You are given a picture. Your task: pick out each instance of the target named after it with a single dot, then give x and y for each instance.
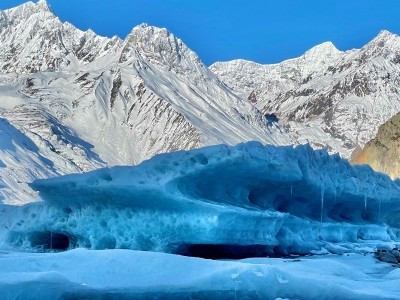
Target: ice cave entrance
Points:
(50, 241)
(223, 251)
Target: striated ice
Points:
(221, 199)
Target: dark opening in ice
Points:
(223, 251)
(50, 241)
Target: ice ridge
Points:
(265, 199)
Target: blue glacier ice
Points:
(244, 200)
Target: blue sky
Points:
(263, 31)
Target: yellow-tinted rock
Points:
(383, 152)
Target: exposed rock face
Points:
(326, 97)
(389, 256)
(383, 152)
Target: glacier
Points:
(215, 202)
(272, 222)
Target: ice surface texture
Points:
(248, 198)
(127, 274)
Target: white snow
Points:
(332, 99)
(125, 100)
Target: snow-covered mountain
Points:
(86, 101)
(327, 97)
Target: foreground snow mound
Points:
(219, 201)
(126, 274)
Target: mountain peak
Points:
(142, 26)
(159, 46)
(43, 5)
(33, 38)
(384, 40)
(146, 32)
(26, 10)
(385, 34)
(324, 49)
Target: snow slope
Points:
(101, 101)
(26, 156)
(326, 97)
(16, 150)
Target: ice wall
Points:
(244, 200)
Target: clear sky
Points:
(219, 30)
